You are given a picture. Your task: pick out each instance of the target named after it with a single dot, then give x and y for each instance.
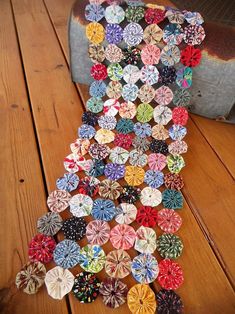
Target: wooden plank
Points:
(200, 167)
(22, 195)
(194, 292)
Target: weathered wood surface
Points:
(56, 112)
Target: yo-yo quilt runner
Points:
(125, 164)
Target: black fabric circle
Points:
(74, 228)
(130, 194)
(169, 302)
(157, 146)
(86, 287)
(167, 75)
(90, 118)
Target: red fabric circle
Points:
(180, 116)
(123, 140)
(147, 216)
(99, 71)
(154, 16)
(190, 56)
(41, 248)
(170, 275)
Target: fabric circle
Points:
(92, 258)
(159, 132)
(68, 182)
(175, 163)
(49, 224)
(134, 14)
(178, 148)
(170, 275)
(182, 98)
(122, 237)
(141, 300)
(41, 248)
(113, 34)
(144, 268)
(154, 15)
(97, 232)
(169, 302)
(169, 221)
(96, 53)
(193, 18)
(134, 176)
(75, 162)
(190, 56)
(170, 55)
(110, 189)
(147, 216)
(114, 14)
(123, 140)
(157, 162)
(167, 75)
(149, 74)
(99, 151)
(142, 129)
(89, 118)
(114, 171)
(127, 110)
(59, 282)
(79, 147)
(119, 155)
(145, 240)
(97, 89)
(150, 197)
(58, 200)
(94, 12)
(96, 169)
(103, 209)
(194, 34)
(115, 72)
(66, 254)
(113, 53)
(125, 126)
(173, 34)
(141, 144)
(159, 146)
(175, 16)
(138, 158)
(130, 92)
(169, 246)
(74, 228)
(94, 105)
(173, 181)
(118, 264)
(88, 186)
(95, 32)
(133, 34)
(146, 93)
(177, 132)
(172, 199)
(86, 131)
(126, 213)
(104, 136)
(184, 77)
(150, 54)
(107, 122)
(80, 205)
(152, 34)
(86, 287)
(111, 107)
(144, 113)
(31, 277)
(99, 72)
(162, 114)
(131, 74)
(114, 89)
(130, 194)
(180, 116)
(154, 178)
(113, 292)
(131, 55)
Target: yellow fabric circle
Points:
(134, 175)
(104, 136)
(141, 300)
(95, 32)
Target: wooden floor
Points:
(40, 112)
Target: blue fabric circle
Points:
(172, 199)
(94, 12)
(98, 89)
(66, 254)
(107, 122)
(177, 132)
(69, 182)
(130, 92)
(154, 179)
(142, 129)
(125, 126)
(86, 131)
(97, 168)
(144, 268)
(103, 209)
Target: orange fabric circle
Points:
(95, 32)
(141, 300)
(134, 176)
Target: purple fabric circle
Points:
(114, 171)
(114, 33)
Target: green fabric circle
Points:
(115, 72)
(169, 246)
(144, 113)
(94, 105)
(175, 163)
(134, 14)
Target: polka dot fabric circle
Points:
(86, 287)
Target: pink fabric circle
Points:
(150, 54)
(157, 161)
(163, 95)
(98, 232)
(122, 237)
(168, 220)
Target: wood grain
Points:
(22, 191)
(56, 126)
